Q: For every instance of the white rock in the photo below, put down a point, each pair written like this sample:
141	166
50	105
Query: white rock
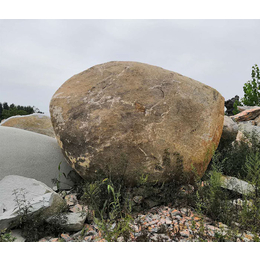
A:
248	130
31	155
234	184
34	195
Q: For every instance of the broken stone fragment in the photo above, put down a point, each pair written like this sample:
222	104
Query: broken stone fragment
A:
20	194
234	184
73	221
246	115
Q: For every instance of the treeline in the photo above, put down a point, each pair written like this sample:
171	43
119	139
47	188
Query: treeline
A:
7	111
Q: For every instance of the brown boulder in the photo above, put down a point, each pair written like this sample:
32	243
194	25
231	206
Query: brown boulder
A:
155	118
37	123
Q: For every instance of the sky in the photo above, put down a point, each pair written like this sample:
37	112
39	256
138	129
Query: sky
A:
38	56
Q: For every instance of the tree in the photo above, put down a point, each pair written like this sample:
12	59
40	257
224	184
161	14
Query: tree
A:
5	106
7	111
251	89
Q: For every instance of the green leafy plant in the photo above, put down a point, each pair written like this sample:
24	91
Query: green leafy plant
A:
24	207
112	212
6	236
57	181
251	89
235	105
250	212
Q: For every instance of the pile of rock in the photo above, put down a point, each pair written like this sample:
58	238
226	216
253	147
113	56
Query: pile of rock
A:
243	125
21	196
160	224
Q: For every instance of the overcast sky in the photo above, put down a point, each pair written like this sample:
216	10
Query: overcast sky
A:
38	56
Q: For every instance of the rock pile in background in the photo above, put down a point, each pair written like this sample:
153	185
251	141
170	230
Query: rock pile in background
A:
242	125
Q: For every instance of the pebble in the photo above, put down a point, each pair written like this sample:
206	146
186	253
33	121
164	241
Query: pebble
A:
71	199
66	237
54	239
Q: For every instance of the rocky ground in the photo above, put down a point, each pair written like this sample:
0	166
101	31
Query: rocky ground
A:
159	224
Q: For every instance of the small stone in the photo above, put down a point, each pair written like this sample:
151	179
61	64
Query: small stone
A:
184	211
120	239
213	228
162	221
185	233
154	229
88	238
135	227
43	240
71	199
175	213
55	188
168	221
66	237
54	239
92	233
154	222
76	208
156	217
196	219
138	199
72	221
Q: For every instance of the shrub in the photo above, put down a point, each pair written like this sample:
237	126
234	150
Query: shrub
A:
251	89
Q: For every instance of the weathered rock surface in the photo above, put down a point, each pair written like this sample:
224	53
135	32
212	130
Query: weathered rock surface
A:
31	194
248	130
37	123
230	129
31	155
257	121
234	184
137	110
246	115
74	221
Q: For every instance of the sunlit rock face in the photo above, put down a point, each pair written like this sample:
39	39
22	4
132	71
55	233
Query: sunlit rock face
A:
37	123
152	117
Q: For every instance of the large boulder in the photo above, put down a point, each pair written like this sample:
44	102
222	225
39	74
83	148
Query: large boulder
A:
19	195
32	155
37	123
153	117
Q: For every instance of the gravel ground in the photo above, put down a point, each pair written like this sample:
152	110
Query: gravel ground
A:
160	224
